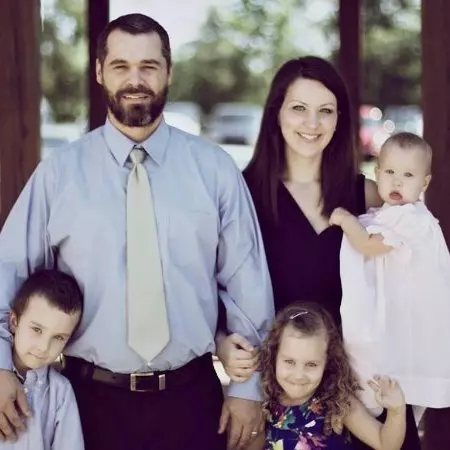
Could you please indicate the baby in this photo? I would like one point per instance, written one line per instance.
(395, 273)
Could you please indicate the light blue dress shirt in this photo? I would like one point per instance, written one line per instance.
(209, 239)
(55, 424)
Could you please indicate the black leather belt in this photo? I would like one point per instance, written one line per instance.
(139, 381)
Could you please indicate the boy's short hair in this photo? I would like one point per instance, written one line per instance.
(407, 140)
(59, 289)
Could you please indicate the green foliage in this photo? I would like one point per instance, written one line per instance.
(236, 55)
(391, 52)
(240, 47)
(64, 59)
(391, 59)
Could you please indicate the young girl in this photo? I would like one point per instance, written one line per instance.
(395, 273)
(310, 389)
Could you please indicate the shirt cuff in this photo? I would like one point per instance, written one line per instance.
(249, 390)
(5, 354)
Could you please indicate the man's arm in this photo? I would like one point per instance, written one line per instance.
(23, 247)
(247, 295)
(242, 270)
(368, 244)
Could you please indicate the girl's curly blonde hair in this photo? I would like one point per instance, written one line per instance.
(338, 383)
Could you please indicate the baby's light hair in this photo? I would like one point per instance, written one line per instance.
(406, 140)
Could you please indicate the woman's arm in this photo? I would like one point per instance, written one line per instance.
(373, 199)
(238, 357)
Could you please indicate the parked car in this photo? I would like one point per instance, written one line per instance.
(190, 109)
(372, 132)
(182, 121)
(234, 123)
(58, 135)
(404, 118)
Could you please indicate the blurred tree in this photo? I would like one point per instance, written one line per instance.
(64, 59)
(391, 52)
(239, 49)
(391, 60)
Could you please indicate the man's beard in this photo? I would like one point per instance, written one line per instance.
(137, 114)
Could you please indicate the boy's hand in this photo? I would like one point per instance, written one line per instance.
(338, 216)
(238, 356)
(388, 392)
(13, 406)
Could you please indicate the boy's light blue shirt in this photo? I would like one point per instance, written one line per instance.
(209, 239)
(55, 424)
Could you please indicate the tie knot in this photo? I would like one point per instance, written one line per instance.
(137, 155)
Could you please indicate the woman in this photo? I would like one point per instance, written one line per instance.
(303, 167)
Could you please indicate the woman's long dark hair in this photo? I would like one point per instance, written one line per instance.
(339, 168)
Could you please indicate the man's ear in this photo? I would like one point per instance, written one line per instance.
(98, 72)
(170, 75)
(13, 322)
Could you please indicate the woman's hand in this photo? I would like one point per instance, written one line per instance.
(238, 356)
(388, 393)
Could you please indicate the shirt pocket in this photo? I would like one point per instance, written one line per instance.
(193, 237)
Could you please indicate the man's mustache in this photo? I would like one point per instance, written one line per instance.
(135, 90)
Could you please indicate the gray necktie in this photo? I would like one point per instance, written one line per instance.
(148, 329)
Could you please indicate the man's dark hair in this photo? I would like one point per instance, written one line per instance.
(134, 24)
(59, 289)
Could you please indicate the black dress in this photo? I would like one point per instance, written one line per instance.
(304, 265)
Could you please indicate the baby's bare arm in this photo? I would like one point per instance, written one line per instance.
(360, 239)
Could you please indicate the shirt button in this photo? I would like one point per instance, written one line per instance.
(31, 377)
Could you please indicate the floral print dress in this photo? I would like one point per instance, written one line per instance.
(301, 428)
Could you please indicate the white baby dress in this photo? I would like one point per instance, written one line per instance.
(396, 307)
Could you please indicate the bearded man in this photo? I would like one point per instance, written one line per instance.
(157, 226)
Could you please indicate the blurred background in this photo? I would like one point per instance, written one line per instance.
(225, 54)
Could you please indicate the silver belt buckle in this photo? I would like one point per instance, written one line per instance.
(134, 376)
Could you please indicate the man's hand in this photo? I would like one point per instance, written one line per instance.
(13, 406)
(245, 420)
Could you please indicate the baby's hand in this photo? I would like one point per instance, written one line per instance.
(388, 392)
(338, 215)
(238, 356)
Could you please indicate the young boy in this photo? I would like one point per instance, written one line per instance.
(44, 314)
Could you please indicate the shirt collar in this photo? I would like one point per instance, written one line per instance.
(120, 145)
(33, 375)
